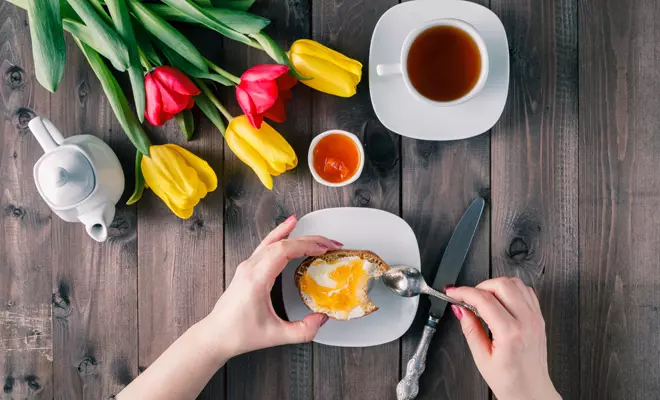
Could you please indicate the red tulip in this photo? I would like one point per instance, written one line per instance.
(262, 92)
(168, 91)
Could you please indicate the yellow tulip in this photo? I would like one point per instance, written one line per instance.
(178, 177)
(331, 71)
(264, 150)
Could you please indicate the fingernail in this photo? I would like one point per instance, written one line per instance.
(324, 320)
(291, 218)
(339, 244)
(457, 312)
(448, 287)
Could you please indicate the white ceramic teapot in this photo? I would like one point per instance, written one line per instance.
(79, 177)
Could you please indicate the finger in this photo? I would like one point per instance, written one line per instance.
(277, 255)
(475, 335)
(511, 297)
(305, 330)
(280, 232)
(524, 289)
(490, 309)
(535, 299)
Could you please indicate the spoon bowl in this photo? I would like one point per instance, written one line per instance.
(409, 282)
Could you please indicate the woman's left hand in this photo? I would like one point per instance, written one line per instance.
(243, 319)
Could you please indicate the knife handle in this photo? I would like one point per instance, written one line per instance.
(408, 387)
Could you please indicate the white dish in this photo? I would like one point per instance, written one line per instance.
(365, 229)
(399, 110)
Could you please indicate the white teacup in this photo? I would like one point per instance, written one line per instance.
(401, 68)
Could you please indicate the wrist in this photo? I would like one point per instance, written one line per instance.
(213, 338)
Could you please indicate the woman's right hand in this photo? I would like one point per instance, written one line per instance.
(515, 362)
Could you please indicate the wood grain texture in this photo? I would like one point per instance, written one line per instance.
(26, 342)
(439, 181)
(356, 373)
(534, 172)
(180, 271)
(94, 284)
(251, 211)
(619, 196)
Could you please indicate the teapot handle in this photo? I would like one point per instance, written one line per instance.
(43, 134)
(54, 132)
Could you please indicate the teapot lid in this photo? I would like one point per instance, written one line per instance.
(64, 176)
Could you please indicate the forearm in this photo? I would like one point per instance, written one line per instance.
(182, 371)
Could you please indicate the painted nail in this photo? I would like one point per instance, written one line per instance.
(291, 218)
(324, 320)
(339, 244)
(457, 312)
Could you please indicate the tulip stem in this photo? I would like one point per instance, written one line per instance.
(144, 60)
(222, 72)
(214, 99)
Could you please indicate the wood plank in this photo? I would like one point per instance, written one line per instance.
(180, 273)
(439, 181)
(619, 194)
(26, 343)
(251, 212)
(94, 284)
(364, 373)
(534, 172)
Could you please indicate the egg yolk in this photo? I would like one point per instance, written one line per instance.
(348, 293)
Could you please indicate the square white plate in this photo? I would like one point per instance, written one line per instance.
(360, 229)
(402, 113)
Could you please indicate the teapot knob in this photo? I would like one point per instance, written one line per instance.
(60, 176)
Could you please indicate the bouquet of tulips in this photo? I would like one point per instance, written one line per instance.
(168, 76)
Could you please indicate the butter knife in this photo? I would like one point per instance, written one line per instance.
(448, 271)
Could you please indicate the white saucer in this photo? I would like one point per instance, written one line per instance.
(399, 111)
(365, 229)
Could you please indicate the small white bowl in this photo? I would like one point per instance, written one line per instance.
(310, 157)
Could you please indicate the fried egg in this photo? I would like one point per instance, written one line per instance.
(336, 284)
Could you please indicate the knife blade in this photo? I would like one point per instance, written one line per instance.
(447, 273)
(455, 254)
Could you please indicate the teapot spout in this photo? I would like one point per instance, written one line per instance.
(97, 221)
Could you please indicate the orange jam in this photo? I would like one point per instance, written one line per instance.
(336, 158)
(350, 282)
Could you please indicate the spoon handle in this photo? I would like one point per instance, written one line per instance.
(442, 296)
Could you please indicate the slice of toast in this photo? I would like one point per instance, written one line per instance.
(367, 306)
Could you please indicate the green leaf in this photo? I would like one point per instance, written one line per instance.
(186, 123)
(122, 20)
(114, 46)
(139, 181)
(276, 53)
(167, 34)
(237, 20)
(117, 99)
(242, 5)
(206, 105)
(183, 65)
(86, 35)
(65, 9)
(195, 12)
(98, 7)
(48, 47)
(144, 42)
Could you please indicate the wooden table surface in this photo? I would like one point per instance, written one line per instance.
(571, 172)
